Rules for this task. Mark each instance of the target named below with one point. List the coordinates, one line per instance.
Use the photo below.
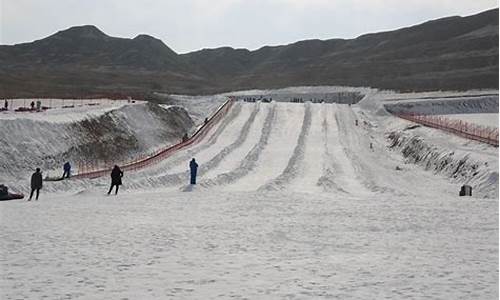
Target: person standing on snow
(194, 169)
(116, 179)
(67, 170)
(36, 183)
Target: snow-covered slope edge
(463, 161)
(461, 167)
(117, 135)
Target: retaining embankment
(98, 169)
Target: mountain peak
(83, 31)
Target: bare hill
(456, 53)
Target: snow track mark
(249, 163)
(185, 155)
(293, 166)
(331, 170)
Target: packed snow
(294, 201)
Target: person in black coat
(194, 169)
(67, 170)
(116, 179)
(36, 183)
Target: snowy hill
(293, 200)
(115, 132)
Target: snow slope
(47, 140)
(291, 202)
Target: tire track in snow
(250, 161)
(294, 163)
(180, 177)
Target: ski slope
(291, 203)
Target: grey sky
(188, 25)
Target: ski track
(351, 138)
(295, 163)
(183, 156)
(232, 132)
(340, 173)
(331, 170)
(368, 164)
(250, 161)
(176, 172)
(273, 160)
(315, 162)
(252, 136)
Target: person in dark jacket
(116, 179)
(194, 169)
(67, 170)
(36, 183)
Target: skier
(6, 105)
(185, 137)
(36, 183)
(67, 170)
(194, 168)
(116, 179)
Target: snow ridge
(182, 157)
(216, 160)
(250, 160)
(327, 180)
(460, 167)
(293, 166)
(350, 139)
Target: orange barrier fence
(102, 168)
(471, 131)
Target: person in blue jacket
(67, 170)
(194, 168)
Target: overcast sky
(188, 25)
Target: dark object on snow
(5, 195)
(193, 166)
(185, 137)
(6, 105)
(356, 122)
(116, 179)
(206, 121)
(410, 127)
(32, 105)
(36, 183)
(4, 191)
(67, 170)
(398, 168)
(465, 190)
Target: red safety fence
(464, 129)
(102, 168)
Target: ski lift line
(95, 171)
(461, 128)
